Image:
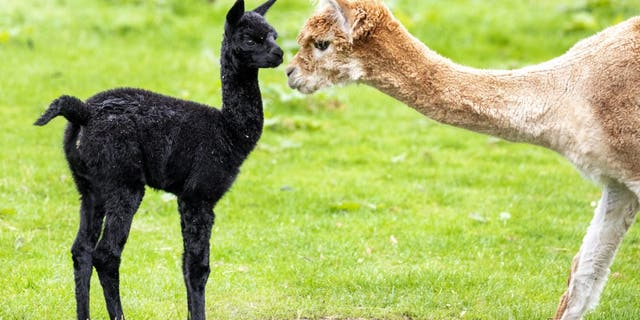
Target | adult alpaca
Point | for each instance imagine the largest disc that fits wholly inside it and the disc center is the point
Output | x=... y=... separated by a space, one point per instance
x=584 y=104
x=122 y=139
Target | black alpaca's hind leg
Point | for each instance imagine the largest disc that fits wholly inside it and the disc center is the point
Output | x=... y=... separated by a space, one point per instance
x=196 y=221
x=91 y=216
x=120 y=206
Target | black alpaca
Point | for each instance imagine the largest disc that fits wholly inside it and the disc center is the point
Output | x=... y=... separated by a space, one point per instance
x=119 y=140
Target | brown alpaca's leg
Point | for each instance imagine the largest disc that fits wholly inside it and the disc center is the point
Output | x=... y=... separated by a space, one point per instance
x=562 y=306
x=614 y=215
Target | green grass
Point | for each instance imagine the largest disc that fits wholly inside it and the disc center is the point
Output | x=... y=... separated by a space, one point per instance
x=352 y=206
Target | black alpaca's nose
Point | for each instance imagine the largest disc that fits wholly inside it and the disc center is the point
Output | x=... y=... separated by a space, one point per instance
x=277 y=52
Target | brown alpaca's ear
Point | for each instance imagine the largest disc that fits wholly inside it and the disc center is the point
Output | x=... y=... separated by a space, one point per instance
x=352 y=20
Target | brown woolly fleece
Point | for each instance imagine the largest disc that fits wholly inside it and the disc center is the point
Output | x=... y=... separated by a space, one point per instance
x=584 y=105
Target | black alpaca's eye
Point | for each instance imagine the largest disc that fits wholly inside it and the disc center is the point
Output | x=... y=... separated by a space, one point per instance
x=250 y=43
x=322 y=45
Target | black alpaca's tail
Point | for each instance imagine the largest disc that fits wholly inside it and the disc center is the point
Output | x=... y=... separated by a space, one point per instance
x=72 y=108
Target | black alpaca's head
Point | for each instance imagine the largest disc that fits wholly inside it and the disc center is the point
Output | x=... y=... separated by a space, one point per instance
x=249 y=39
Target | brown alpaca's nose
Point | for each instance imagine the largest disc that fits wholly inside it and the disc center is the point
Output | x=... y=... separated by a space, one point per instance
x=290 y=70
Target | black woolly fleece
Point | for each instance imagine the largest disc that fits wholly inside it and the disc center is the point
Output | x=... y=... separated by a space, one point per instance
x=121 y=139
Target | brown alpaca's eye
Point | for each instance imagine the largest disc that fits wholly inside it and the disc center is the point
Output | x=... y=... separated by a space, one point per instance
x=322 y=45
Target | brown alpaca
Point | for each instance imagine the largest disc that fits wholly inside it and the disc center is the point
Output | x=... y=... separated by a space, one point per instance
x=584 y=105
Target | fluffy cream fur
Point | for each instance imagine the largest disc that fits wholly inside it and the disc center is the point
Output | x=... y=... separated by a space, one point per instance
x=584 y=105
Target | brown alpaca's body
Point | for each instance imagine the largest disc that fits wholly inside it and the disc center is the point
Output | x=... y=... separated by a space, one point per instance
x=584 y=105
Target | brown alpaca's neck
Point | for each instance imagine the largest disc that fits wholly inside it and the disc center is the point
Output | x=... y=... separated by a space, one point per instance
x=507 y=104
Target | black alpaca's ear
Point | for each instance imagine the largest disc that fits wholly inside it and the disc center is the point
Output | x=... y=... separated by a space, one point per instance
x=263 y=8
x=235 y=13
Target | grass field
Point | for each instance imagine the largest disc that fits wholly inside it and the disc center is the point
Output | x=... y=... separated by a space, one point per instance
x=352 y=205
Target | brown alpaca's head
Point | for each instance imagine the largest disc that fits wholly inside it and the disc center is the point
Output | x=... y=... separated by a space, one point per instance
x=333 y=44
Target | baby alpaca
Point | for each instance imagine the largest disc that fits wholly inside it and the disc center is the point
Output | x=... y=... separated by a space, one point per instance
x=584 y=104
x=119 y=140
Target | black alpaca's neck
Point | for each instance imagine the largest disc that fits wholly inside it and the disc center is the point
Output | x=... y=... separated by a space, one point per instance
x=241 y=100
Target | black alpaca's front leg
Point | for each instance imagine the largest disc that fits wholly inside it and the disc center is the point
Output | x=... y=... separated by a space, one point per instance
x=120 y=206
x=91 y=217
x=196 y=221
